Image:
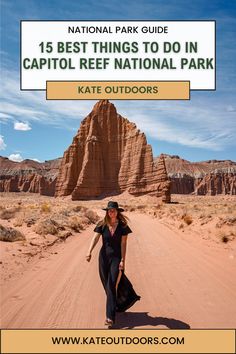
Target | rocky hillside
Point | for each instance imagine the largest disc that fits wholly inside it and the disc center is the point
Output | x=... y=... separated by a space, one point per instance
x=210 y=177
x=28 y=176
x=109 y=155
x=202 y=178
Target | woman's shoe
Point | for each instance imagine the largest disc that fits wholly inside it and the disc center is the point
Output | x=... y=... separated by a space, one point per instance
x=108 y=323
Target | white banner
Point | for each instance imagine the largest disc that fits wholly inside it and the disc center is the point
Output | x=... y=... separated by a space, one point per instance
x=118 y=50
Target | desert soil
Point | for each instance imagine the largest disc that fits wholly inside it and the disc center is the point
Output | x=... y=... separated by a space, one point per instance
x=184 y=273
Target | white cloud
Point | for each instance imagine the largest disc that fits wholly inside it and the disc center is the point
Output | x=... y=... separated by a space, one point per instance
x=34 y=106
x=195 y=124
x=15 y=157
x=185 y=123
x=37 y=160
x=22 y=126
x=4 y=116
x=171 y=133
x=2 y=144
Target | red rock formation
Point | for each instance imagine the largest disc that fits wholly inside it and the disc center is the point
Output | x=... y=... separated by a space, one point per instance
x=9 y=184
x=165 y=183
x=108 y=156
x=217 y=183
x=28 y=176
x=210 y=177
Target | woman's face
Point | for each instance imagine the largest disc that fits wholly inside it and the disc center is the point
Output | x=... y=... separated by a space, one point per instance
x=112 y=213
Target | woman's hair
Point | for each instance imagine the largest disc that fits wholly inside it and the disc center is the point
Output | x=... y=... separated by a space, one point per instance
x=122 y=218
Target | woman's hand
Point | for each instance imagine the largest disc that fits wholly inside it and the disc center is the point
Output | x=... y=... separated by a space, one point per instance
x=88 y=257
x=122 y=265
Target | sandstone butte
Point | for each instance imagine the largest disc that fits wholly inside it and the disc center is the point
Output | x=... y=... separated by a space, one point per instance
x=108 y=156
x=210 y=177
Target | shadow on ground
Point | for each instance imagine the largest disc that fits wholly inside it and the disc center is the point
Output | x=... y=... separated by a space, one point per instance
x=137 y=319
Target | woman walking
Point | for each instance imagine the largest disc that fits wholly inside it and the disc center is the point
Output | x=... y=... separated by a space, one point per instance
x=119 y=291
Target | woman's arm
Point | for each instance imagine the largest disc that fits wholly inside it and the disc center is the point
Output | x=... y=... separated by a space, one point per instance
x=92 y=245
x=123 y=252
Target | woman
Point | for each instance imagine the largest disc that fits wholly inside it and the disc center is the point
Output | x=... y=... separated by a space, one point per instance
x=119 y=291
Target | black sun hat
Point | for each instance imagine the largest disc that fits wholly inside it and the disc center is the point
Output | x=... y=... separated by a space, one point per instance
x=113 y=205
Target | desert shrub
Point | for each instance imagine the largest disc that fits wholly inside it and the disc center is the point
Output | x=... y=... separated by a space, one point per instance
x=9 y=234
x=75 y=223
x=231 y=220
x=172 y=210
x=141 y=206
x=224 y=238
x=59 y=220
x=64 y=235
x=85 y=221
x=30 y=221
x=78 y=208
x=19 y=221
x=230 y=209
x=32 y=206
x=65 y=212
x=181 y=226
x=188 y=219
x=45 y=208
x=7 y=214
x=47 y=226
x=92 y=216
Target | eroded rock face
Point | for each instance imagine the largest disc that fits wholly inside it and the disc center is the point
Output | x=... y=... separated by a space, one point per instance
x=108 y=156
x=217 y=183
x=210 y=177
x=28 y=176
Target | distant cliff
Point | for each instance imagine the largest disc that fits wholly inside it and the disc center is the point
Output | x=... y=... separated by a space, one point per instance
x=109 y=155
x=28 y=176
x=210 y=177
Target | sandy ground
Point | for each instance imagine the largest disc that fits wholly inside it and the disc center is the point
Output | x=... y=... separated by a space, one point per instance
x=186 y=275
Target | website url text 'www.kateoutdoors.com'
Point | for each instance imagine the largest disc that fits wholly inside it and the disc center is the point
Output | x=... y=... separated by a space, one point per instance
x=118 y=340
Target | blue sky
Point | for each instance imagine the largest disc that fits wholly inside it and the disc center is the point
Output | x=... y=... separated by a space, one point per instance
x=200 y=129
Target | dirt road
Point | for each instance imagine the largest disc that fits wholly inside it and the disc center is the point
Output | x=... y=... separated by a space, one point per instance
x=183 y=282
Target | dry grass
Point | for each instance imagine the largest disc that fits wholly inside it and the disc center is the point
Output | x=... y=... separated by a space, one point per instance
x=9 y=213
x=79 y=208
x=92 y=216
x=46 y=226
x=49 y=216
x=141 y=207
x=18 y=221
x=45 y=208
x=75 y=223
x=204 y=213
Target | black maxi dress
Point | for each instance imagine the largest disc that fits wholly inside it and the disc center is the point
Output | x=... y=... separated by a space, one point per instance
x=109 y=260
